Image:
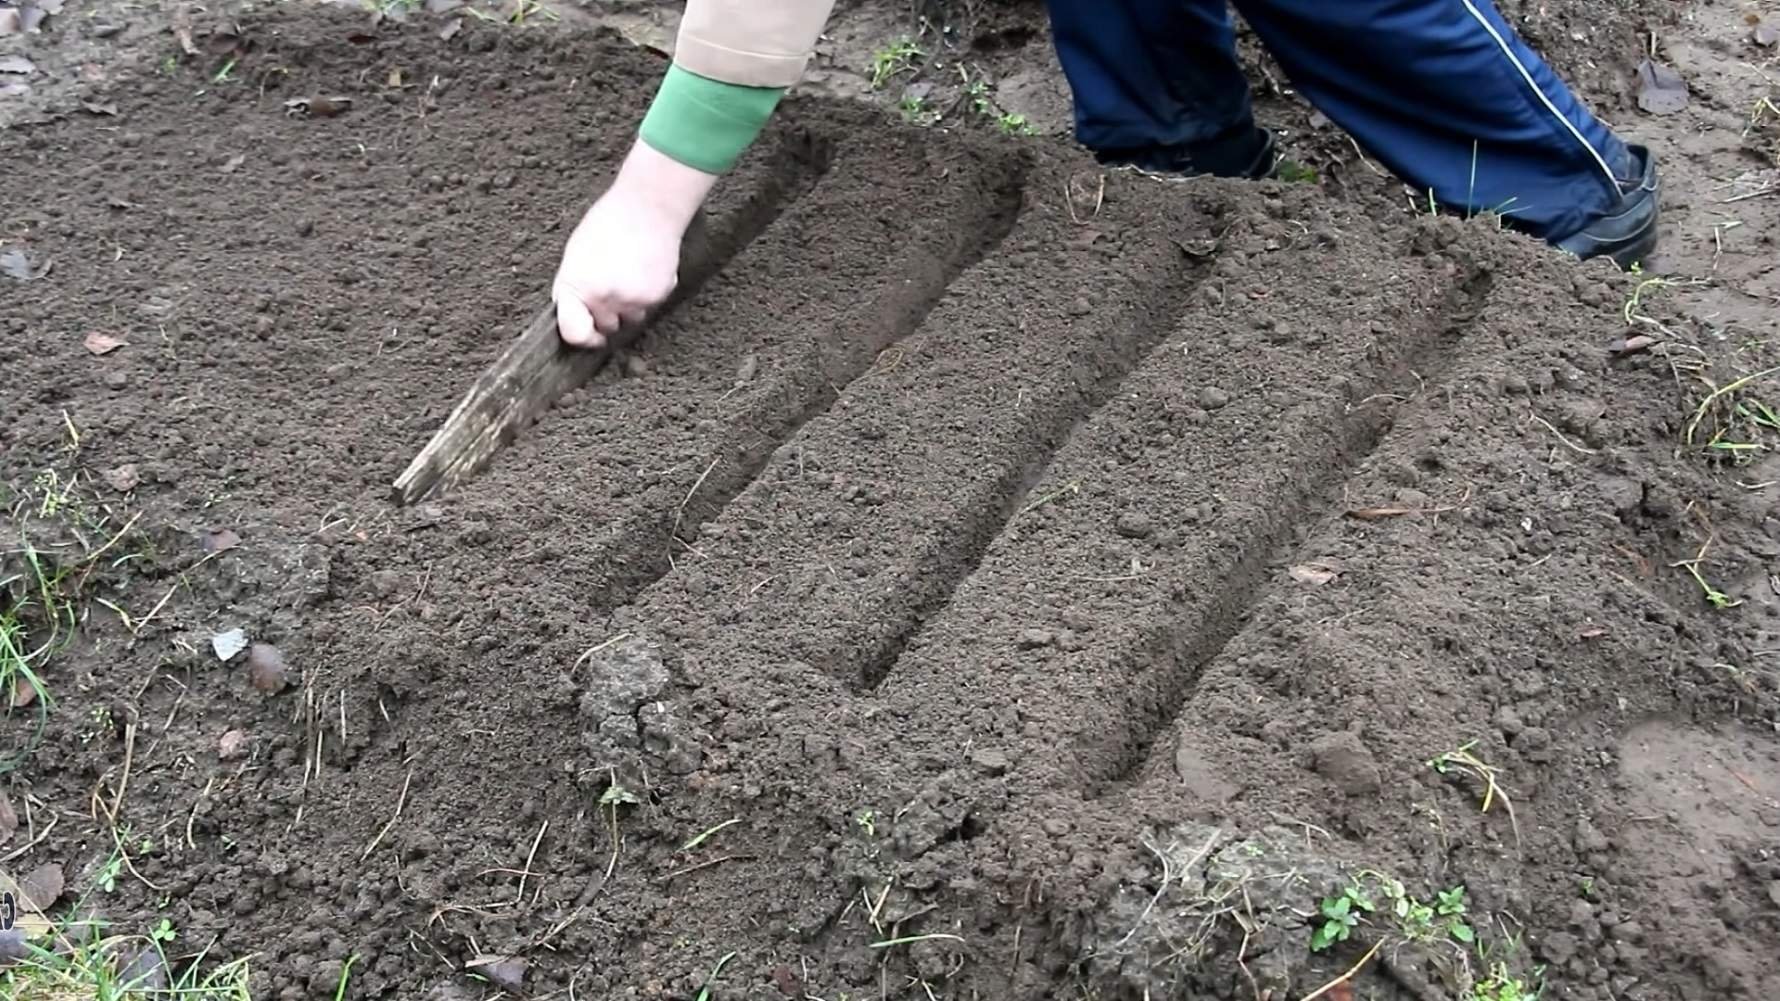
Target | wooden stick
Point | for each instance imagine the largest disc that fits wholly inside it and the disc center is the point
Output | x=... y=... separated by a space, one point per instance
x=522 y=384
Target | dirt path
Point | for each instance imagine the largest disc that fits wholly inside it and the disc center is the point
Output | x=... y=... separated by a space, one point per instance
x=1002 y=579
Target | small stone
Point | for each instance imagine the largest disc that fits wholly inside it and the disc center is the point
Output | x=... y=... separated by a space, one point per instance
x=1589 y=838
x=305 y=227
x=1515 y=385
x=1080 y=307
x=266 y=668
x=1032 y=639
x=43 y=886
x=636 y=366
x=1344 y=760
x=1628 y=931
x=123 y=478
x=116 y=379
x=232 y=746
x=1213 y=398
x=1133 y=525
x=1774 y=892
x=990 y=761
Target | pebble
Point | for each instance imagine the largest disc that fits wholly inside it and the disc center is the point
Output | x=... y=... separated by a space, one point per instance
x=266 y=668
x=1589 y=838
x=116 y=380
x=1213 y=398
x=1080 y=307
x=991 y=761
x=1133 y=525
x=232 y=746
x=1032 y=639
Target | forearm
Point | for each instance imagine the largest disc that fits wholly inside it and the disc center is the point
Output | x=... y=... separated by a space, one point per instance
x=733 y=61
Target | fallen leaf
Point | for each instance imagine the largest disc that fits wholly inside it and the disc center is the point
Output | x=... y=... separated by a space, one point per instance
x=506 y=972
x=9 y=818
x=450 y=31
x=1631 y=345
x=1660 y=90
x=124 y=478
x=23 y=693
x=15 y=264
x=232 y=746
x=228 y=643
x=234 y=163
x=442 y=6
x=48 y=6
x=43 y=886
x=100 y=109
x=1311 y=573
x=17 y=64
x=9 y=21
x=118 y=203
x=1765 y=35
x=221 y=540
x=266 y=670
x=14 y=89
x=395 y=77
x=1592 y=634
x=102 y=344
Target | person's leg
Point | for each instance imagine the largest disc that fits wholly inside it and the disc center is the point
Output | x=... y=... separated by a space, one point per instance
x=1447 y=95
x=1156 y=85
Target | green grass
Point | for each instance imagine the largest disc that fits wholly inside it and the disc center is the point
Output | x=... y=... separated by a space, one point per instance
x=121 y=967
x=57 y=545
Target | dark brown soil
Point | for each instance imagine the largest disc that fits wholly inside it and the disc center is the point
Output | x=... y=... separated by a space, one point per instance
x=1031 y=582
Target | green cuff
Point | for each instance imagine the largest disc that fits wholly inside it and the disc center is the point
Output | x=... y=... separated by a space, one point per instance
x=704 y=123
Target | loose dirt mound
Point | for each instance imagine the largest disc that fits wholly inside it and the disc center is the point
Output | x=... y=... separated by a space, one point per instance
x=1002 y=578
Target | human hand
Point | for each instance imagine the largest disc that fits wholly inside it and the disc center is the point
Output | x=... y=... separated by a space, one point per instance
x=623 y=258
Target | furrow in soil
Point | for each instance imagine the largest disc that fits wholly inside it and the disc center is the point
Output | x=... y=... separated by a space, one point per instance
x=1155 y=527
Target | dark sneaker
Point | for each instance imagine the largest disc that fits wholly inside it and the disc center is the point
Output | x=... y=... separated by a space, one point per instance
x=1252 y=155
x=1627 y=232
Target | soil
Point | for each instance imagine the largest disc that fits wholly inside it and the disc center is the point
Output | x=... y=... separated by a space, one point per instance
x=1000 y=578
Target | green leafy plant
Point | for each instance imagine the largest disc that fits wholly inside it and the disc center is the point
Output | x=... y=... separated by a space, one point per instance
x=1340 y=916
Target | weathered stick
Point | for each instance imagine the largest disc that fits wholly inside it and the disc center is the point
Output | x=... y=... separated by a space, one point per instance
x=532 y=374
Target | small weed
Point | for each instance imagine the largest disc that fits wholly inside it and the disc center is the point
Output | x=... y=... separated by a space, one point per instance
x=1714 y=597
x=1012 y=124
x=1587 y=887
x=1340 y=916
x=867 y=821
x=1419 y=921
x=615 y=796
x=704 y=993
x=1462 y=760
x=1502 y=985
x=916 y=111
x=893 y=60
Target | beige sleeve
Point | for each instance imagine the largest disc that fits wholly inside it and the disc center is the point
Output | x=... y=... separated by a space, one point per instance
x=765 y=43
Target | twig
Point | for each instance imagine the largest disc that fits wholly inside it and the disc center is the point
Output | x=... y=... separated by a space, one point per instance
x=117 y=802
x=401 y=798
x=34 y=842
x=1560 y=436
x=529 y=856
x=1770 y=189
x=1345 y=977
x=708 y=863
x=680 y=511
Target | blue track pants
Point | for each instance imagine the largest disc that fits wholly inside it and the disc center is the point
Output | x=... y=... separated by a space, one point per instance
x=1442 y=92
